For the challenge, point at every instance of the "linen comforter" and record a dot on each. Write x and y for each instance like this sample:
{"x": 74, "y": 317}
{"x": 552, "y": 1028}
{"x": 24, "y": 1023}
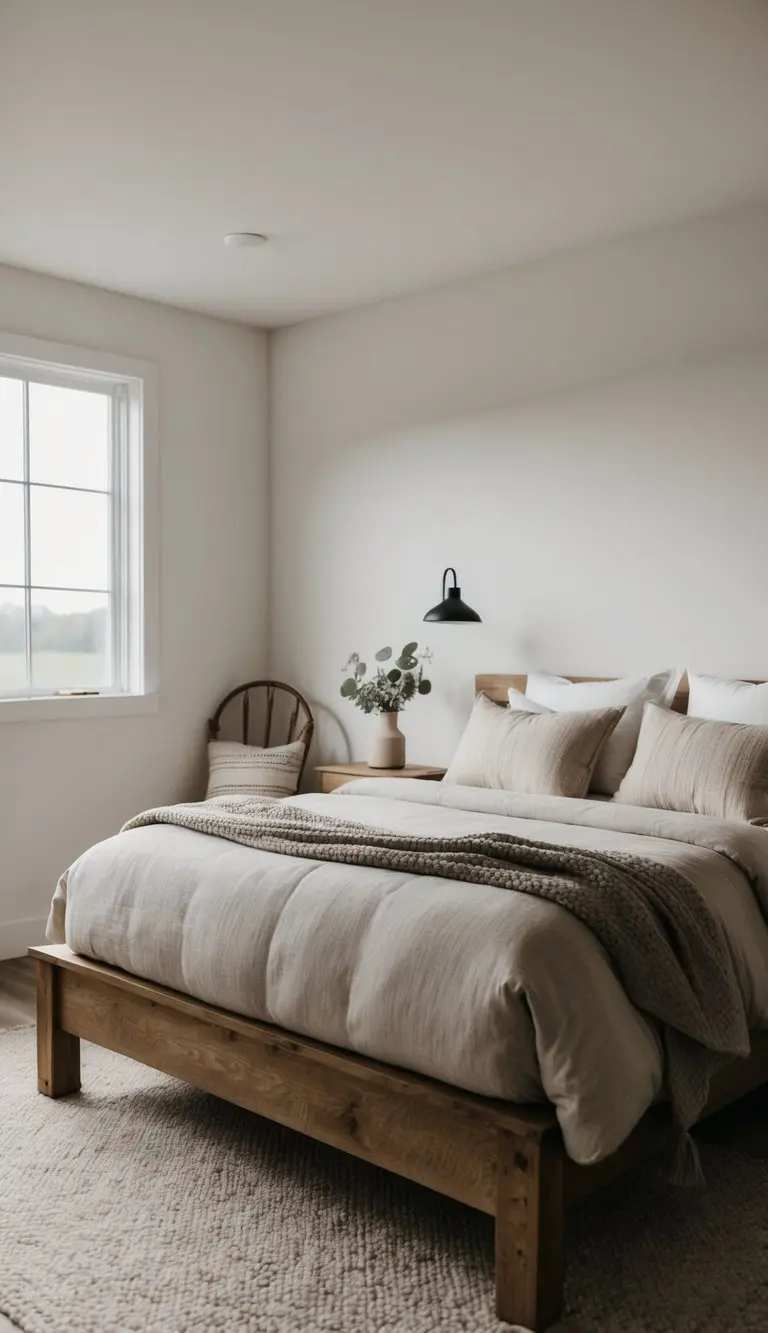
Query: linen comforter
{"x": 485, "y": 988}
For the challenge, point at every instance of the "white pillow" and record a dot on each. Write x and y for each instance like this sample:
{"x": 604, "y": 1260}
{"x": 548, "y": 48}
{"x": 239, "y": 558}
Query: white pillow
{"x": 520, "y": 703}
{"x": 250, "y": 770}
{"x": 727, "y": 700}
{"x": 629, "y": 692}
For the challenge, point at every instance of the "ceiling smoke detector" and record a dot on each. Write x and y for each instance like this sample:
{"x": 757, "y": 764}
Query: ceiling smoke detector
{"x": 242, "y": 239}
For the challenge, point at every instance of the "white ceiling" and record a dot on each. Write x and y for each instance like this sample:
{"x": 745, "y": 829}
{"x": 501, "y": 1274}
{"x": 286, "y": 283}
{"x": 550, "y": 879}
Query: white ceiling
{"x": 383, "y": 145}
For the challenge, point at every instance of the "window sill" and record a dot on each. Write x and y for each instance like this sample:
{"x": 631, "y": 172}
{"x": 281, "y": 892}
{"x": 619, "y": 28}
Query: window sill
{"x": 70, "y": 708}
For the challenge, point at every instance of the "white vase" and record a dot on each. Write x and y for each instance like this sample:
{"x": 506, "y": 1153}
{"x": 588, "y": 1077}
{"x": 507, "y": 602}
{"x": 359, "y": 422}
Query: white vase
{"x": 388, "y": 749}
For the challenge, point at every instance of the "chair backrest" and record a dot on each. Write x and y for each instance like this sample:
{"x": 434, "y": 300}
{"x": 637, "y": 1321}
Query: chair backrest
{"x": 277, "y": 714}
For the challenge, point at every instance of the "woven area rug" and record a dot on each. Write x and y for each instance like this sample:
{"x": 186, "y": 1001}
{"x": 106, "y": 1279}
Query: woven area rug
{"x": 143, "y": 1205}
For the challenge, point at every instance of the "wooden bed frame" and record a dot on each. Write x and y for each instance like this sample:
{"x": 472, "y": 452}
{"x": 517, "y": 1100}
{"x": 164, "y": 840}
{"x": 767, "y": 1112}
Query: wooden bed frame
{"x": 495, "y": 686}
{"x": 506, "y": 1160}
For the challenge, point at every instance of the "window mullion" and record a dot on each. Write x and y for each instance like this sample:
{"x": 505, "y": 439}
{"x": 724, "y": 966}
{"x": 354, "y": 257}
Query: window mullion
{"x": 27, "y": 538}
{"x": 118, "y": 590}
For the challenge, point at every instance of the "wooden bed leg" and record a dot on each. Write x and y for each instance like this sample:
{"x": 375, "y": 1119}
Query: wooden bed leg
{"x": 58, "y": 1053}
{"x": 530, "y": 1228}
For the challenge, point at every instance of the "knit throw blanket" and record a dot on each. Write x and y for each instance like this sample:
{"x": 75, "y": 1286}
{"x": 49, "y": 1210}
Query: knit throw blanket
{"x": 664, "y": 943}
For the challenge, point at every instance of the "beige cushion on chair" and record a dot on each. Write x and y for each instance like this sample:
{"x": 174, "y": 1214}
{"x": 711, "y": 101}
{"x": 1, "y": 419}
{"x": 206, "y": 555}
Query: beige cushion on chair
{"x": 251, "y": 770}
{"x": 550, "y": 754}
{"x": 699, "y": 767}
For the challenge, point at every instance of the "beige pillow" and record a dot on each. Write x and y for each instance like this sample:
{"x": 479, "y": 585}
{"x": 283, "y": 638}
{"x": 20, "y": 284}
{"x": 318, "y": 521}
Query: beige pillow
{"x": 697, "y": 766}
{"x": 630, "y": 692}
{"x": 549, "y": 754}
{"x": 249, "y": 770}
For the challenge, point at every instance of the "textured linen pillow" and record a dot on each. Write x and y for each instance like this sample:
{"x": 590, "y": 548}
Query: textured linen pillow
{"x": 727, "y": 700}
{"x": 700, "y": 767}
{"x": 629, "y": 692}
{"x": 550, "y": 754}
{"x": 249, "y": 770}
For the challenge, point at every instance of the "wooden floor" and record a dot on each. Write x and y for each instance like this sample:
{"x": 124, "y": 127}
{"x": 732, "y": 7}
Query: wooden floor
{"x": 17, "y": 992}
{"x": 743, "y": 1126}
{"x": 17, "y": 1005}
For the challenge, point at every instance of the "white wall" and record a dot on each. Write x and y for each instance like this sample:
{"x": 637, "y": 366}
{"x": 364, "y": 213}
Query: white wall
{"x": 64, "y": 785}
{"x": 585, "y": 438}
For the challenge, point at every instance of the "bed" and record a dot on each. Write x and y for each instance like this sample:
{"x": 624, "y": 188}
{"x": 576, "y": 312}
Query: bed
{"x": 478, "y": 1044}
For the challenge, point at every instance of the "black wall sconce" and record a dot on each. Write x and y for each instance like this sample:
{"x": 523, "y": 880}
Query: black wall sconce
{"x": 452, "y": 608}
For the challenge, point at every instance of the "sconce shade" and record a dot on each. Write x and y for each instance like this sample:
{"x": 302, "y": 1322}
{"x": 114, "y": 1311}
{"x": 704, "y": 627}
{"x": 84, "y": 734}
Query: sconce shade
{"x": 452, "y": 609}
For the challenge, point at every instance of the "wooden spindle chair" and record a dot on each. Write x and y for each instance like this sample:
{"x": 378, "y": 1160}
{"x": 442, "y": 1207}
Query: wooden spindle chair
{"x": 273, "y": 729}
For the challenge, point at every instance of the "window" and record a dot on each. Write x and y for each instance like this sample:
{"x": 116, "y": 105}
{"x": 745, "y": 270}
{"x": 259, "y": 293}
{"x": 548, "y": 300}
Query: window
{"x": 72, "y": 530}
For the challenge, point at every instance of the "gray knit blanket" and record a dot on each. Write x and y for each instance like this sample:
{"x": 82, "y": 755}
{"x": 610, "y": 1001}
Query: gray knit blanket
{"x": 665, "y": 945}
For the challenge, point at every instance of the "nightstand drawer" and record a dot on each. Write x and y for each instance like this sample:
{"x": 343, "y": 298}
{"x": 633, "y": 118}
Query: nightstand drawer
{"x": 330, "y": 781}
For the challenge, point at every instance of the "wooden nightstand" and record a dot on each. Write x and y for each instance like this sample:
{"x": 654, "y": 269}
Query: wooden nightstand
{"x": 331, "y": 776}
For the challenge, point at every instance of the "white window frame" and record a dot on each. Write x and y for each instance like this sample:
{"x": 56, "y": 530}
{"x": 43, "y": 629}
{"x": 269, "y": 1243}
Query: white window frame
{"x": 134, "y": 513}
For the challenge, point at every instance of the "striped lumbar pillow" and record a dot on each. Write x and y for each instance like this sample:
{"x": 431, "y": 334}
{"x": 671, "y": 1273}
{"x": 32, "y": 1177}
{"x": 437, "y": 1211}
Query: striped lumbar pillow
{"x": 699, "y": 767}
{"x": 250, "y": 770}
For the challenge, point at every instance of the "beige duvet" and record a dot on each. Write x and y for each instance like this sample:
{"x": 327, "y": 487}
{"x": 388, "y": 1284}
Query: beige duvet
{"x": 486, "y": 988}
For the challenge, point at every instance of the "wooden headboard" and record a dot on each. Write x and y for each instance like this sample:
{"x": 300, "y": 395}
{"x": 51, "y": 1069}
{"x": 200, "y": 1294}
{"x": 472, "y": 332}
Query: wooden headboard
{"x": 495, "y": 687}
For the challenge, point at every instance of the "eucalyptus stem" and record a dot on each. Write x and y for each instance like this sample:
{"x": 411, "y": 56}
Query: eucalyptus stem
{"x": 387, "y": 691}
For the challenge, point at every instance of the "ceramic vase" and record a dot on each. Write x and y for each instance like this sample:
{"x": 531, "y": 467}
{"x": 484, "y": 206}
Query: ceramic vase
{"x": 388, "y": 750}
